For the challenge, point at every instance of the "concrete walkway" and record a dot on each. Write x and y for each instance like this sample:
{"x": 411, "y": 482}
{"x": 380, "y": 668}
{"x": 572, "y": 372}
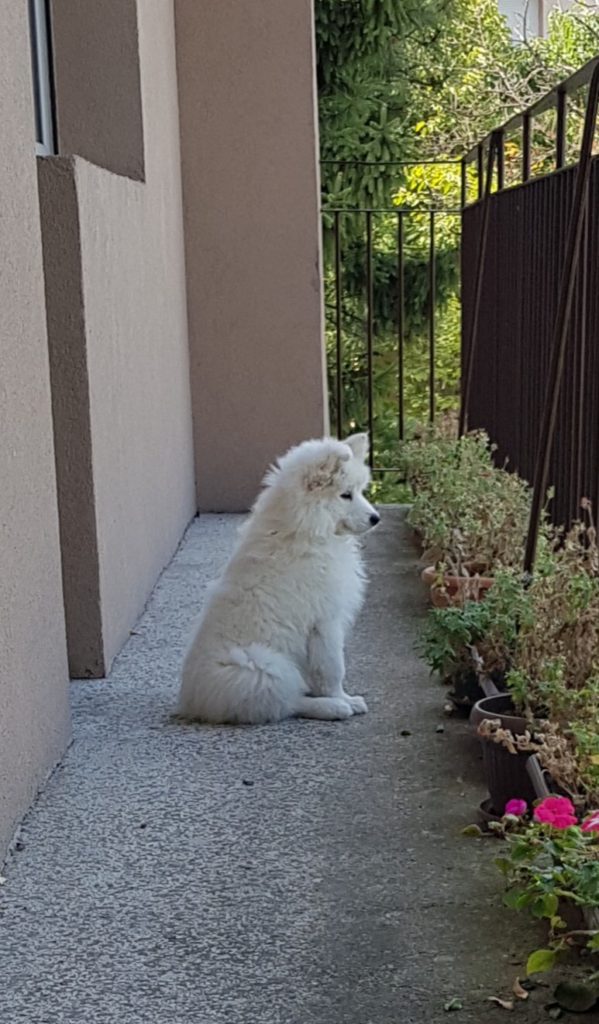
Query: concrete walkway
{"x": 309, "y": 873}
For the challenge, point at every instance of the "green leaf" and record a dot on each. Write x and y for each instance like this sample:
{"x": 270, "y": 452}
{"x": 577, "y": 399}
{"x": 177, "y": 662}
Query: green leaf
{"x": 540, "y": 961}
{"x": 512, "y": 898}
{"x": 558, "y": 923}
{"x": 594, "y": 942}
{"x": 453, "y": 1004}
{"x": 524, "y": 900}
{"x": 545, "y": 906}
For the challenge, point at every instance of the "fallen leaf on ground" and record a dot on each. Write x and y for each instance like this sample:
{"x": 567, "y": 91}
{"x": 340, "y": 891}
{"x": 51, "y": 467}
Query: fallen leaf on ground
{"x": 472, "y": 830}
{"x": 505, "y": 1004}
{"x": 453, "y": 1004}
{"x": 519, "y": 992}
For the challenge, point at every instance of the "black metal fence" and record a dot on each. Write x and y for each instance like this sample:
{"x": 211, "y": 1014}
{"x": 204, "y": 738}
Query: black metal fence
{"x": 530, "y": 302}
{"x": 383, "y": 314}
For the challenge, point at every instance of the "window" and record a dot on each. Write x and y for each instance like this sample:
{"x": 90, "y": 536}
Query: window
{"x": 43, "y": 92}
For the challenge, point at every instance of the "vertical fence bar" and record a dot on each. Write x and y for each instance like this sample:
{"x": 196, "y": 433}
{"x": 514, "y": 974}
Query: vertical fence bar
{"x": 338, "y": 327}
{"x": 500, "y": 160}
{"x": 432, "y": 315}
{"x": 560, "y": 134}
{"x": 369, "y": 332}
{"x": 591, "y": 484}
{"x": 480, "y": 169}
{"x": 463, "y": 183}
{"x": 400, "y": 324}
{"x": 560, "y": 335}
{"x": 584, "y": 321}
{"x": 526, "y": 126}
{"x": 580, "y": 394}
{"x": 482, "y": 252}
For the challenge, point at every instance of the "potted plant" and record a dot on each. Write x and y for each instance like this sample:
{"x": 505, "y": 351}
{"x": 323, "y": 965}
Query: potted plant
{"x": 552, "y": 705}
{"x": 551, "y": 867}
{"x": 507, "y": 744}
{"x": 471, "y": 514}
{"x": 454, "y": 586}
{"x": 471, "y": 645}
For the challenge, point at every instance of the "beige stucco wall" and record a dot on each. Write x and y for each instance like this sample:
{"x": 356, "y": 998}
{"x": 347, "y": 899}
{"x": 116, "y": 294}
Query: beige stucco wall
{"x": 251, "y": 194}
{"x": 34, "y": 717}
{"x": 131, "y": 339}
{"x": 99, "y": 114}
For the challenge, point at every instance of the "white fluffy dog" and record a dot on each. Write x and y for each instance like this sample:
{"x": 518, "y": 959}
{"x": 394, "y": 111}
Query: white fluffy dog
{"x": 269, "y": 644}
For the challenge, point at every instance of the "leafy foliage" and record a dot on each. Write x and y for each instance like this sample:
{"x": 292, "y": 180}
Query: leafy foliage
{"x": 466, "y": 508}
{"x": 478, "y": 636}
{"x": 369, "y": 67}
{"x": 555, "y": 673}
{"x": 546, "y": 867}
{"x": 416, "y": 80}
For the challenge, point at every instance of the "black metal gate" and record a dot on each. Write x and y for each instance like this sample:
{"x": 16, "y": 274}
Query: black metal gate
{"x": 379, "y": 283}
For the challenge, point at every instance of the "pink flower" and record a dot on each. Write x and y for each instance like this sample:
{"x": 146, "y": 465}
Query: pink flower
{"x": 557, "y": 811}
{"x": 591, "y": 824}
{"x": 516, "y": 807}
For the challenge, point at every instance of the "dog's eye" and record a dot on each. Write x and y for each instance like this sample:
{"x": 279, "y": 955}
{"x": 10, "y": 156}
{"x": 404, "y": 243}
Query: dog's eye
{"x": 347, "y": 496}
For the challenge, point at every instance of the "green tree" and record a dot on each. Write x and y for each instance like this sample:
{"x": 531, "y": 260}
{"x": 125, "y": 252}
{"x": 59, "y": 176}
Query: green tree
{"x": 367, "y": 68}
{"x": 423, "y": 81}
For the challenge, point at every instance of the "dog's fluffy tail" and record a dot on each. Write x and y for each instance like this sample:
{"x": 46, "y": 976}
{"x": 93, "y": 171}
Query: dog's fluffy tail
{"x": 247, "y": 685}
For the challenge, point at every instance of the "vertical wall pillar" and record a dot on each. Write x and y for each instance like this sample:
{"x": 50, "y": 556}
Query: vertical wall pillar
{"x": 249, "y": 140}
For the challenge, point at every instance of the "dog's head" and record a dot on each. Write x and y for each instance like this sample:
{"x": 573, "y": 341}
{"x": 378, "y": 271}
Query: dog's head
{"x": 322, "y": 483}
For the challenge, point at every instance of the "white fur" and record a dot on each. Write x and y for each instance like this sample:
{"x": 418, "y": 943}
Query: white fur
{"x": 269, "y": 644}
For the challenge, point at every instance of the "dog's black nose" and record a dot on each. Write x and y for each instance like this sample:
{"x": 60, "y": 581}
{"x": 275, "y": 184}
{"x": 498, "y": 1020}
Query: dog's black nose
{"x": 374, "y": 519}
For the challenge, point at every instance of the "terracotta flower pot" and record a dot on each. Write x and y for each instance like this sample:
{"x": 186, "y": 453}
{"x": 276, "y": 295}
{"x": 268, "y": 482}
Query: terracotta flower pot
{"x": 456, "y": 590}
{"x": 506, "y": 773}
{"x": 429, "y": 575}
{"x": 448, "y": 589}
{"x": 473, "y": 568}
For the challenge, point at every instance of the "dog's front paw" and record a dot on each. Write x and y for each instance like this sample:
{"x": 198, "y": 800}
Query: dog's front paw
{"x": 357, "y": 704}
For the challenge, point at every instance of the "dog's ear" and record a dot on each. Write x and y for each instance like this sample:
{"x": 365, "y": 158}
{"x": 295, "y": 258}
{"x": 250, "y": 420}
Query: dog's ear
{"x": 323, "y": 471}
{"x": 359, "y": 445}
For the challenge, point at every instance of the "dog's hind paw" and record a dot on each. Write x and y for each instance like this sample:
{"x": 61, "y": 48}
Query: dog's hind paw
{"x": 357, "y": 704}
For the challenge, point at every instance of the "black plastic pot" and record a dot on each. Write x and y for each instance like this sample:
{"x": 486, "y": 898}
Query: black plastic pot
{"x": 465, "y": 690}
{"x": 541, "y": 783}
{"x": 468, "y": 688}
{"x": 507, "y": 774}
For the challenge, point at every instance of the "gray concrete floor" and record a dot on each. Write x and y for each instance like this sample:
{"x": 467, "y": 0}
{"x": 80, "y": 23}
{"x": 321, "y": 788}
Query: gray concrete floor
{"x": 308, "y": 873}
